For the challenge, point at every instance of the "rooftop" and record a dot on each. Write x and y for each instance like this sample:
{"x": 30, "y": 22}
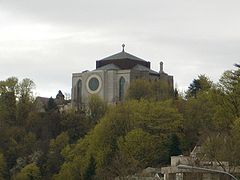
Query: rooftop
{"x": 121, "y": 60}
{"x": 122, "y": 55}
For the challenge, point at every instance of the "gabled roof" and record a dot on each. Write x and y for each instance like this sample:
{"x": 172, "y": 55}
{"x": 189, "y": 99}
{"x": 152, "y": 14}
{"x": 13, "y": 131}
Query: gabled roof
{"x": 122, "y": 55}
{"x": 43, "y": 100}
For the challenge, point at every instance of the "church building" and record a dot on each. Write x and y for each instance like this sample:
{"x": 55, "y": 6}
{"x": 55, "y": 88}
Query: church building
{"x": 112, "y": 77}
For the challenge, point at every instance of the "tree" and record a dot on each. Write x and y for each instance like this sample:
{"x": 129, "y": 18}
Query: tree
{"x": 76, "y": 124}
{"x": 222, "y": 144}
{"x": 154, "y": 121}
{"x": 202, "y": 83}
{"x": 90, "y": 169}
{"x": 158, "y": 90}
{"x": 174, "y": 145}
{"x": 96, "y": 108}
{"x": 45, "y": 125}
{"x": 54, "y": 157}
{"x": 229, "y": 89}
{"x": 221, "y": 147}
{"x": 29, "y": 172}
{"x": 51, "y": 106}
{"x": 8, "y": 92}
{"x": 25, "y": 100}
{"x": 140, "y": 146}
{"x": 70, "y": 171}
{"x": 2, "y": 167}
{"x": 100, "y": 144}
{"x": 199, "y": 113}
{"x": 140, "y": 89}
{"x": 162, "y": 90}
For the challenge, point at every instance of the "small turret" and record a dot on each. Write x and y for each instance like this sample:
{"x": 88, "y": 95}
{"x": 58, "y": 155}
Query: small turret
{"x": 60, "y": 95}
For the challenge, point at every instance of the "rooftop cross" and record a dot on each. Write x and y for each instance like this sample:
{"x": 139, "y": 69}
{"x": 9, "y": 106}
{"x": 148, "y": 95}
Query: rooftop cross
{"x": 123, "y": 46}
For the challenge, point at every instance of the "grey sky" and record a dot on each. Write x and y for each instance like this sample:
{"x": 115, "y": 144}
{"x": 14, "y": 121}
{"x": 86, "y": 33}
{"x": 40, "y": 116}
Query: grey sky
{"x": 48, "y": 40}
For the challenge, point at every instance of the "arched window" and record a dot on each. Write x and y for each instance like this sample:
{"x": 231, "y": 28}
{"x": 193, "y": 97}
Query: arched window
{"x": 121, "y": 88}
{"x": 79, "y": 91}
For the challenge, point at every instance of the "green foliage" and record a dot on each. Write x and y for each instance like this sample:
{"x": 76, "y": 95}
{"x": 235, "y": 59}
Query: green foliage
{"x": 203, "y": 83}
{"x": 154, "y": 90}
{"x": 68, "y": 171}
{"x": 103, "y": 142}
{"x": 9, "y": 85}
{"x": 76, "y": 124}
{"x": 56, "y": 145}
{"x": 11, "y": 140}
{"x": 29, "y": 172}
{"x": 222, "y": 144}
{"x": 96, "y": 108}
{"x": 54, "y": 157}
{"x": 199, "y": 118}
{"x": 12, "y": 111}
{"x": 44, "y": 125}
{"x": 90, "y": 169}
{"x": 140, "y": 89}
{"x": 162, "y": 90}
{"x": 144, "y": 123}
{"x": 174, "y": 145}
{"x": 8, "y": 92}
{"x": 229, "y": 89}
{"x": 25, "y": 100}
{"x": 139, "y": 145}
{"x": 7, "y": 109}
{"x": 51, "y": 105}
{"x": 2, "y": 167}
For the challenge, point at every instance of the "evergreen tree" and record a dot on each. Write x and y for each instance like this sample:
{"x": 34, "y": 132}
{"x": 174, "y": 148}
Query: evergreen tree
{"x": 202, "y": 83}
{"x": 90, "y": 170}
{"x": 174, "y": 145}
{"x": 51, "y": 106}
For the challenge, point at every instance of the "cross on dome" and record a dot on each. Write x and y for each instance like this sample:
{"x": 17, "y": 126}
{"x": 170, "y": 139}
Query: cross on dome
{"x": 123, "y": 46}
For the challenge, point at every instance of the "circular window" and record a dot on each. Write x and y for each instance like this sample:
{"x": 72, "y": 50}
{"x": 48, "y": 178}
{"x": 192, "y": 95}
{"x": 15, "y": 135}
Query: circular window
{"x": 93, "y": 84}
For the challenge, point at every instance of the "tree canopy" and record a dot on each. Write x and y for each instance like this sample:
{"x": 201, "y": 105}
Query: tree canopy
{"x": 105, "y": 141}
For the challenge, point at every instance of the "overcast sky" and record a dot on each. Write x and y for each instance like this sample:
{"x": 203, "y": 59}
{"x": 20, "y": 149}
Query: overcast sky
{"x": 48, "y": 40}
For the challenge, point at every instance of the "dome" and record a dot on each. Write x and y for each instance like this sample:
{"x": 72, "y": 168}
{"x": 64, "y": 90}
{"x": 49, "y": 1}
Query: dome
{"x": 123, "y": 60}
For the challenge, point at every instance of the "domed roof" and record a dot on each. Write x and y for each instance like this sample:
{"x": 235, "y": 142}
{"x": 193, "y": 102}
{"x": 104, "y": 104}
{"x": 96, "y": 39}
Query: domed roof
{"x": 123, "y": 60}
{"x": 122, "y": 55}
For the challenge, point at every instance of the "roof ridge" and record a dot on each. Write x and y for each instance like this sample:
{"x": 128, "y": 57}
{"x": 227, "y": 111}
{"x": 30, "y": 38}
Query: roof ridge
{"x": 122, "y": 55}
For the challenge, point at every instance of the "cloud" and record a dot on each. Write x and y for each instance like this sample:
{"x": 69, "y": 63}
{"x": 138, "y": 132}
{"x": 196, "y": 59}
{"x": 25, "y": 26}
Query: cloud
{"x": 48, "y": 40}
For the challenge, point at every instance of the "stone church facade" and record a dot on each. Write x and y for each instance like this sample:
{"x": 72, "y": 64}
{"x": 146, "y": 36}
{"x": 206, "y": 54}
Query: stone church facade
{"x": 112, "y": 77}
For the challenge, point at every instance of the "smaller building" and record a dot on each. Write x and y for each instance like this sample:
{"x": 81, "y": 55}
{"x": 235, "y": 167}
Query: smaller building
{"x": 195, "y": 169}
{"x": 42, "y": 103}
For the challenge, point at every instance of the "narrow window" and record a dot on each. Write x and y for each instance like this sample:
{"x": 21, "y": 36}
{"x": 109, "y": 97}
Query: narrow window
{"x": 121, "y": 88}
{"x": 79, "y": 91}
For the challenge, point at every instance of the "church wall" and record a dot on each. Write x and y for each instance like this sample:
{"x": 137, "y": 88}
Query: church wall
{"x": 168, "y": 79}
{"x": 109, "y": 80}
{"x": 110, "y": 86}
{"x": 75, "y": 79}
{"x": 85, "y": 91}
{"x": 135, "y": 74}
{"x": 85, "y": 79}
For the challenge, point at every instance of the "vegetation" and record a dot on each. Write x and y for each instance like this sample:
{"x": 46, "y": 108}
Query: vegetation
{"x": 105, "y": 141}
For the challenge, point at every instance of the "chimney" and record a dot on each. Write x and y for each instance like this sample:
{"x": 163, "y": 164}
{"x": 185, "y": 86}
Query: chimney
{"x": 161, "y": 67}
